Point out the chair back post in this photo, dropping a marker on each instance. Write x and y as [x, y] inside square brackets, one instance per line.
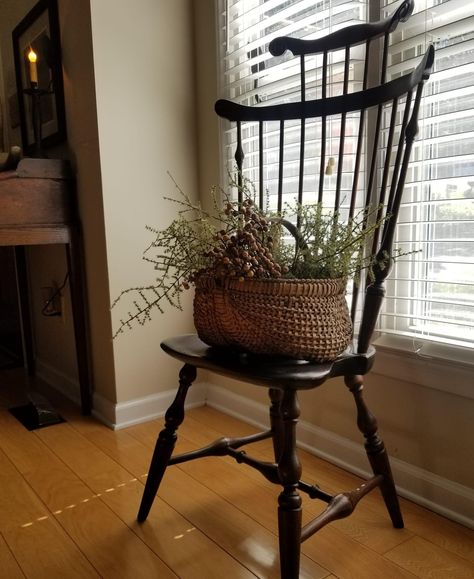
[302, 136]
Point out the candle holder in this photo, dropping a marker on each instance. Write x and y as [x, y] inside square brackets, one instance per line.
[36, 95]
[39, 78]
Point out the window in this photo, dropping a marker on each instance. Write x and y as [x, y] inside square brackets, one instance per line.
[431, 292]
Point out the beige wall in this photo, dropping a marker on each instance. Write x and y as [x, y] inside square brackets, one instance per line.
[206, 94]
[143, 60]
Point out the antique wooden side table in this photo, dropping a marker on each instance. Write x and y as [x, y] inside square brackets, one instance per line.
[38, 207]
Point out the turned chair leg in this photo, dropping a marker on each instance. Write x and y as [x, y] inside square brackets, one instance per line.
[289, 501]
[166, 441]
[276, 396]
[375, 449]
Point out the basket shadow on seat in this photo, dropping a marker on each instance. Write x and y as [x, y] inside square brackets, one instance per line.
[395, 107]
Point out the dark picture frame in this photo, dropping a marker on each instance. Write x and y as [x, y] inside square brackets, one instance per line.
[39, 30]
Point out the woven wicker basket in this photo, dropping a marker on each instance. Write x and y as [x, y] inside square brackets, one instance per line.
[305, 319]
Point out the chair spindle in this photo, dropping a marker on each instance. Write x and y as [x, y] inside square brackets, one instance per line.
[398, 158]
[302, 138]
[322, 165]
[383, 72]
[360, 138]
[280, 166]
[386, 169]
[342, 136]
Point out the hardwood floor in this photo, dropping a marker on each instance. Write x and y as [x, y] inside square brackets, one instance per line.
[69, 495]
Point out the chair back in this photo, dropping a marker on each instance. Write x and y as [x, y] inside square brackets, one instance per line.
[367, 135]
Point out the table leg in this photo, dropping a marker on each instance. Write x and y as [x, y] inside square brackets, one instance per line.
[24, 307]
[79, 312]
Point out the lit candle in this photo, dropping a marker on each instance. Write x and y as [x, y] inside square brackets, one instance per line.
[33, 69]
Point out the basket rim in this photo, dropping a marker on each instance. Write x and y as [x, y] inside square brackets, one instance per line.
[273, 286]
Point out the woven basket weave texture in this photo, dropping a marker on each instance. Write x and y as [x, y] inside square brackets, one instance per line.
[307, 319]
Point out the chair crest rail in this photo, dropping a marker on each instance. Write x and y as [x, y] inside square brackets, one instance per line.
[346, 103]
[353, 35]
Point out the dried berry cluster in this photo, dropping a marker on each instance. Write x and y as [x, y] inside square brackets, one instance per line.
[244, 249]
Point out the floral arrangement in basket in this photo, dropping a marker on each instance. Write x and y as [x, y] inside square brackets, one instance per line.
[262, 284]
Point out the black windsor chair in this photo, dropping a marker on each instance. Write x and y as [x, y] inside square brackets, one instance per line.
[399, 102]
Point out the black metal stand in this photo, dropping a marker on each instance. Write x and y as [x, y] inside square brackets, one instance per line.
[38, 413]
[36, 118]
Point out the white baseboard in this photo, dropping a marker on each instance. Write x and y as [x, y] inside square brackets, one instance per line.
[123, 414]
[436, 493]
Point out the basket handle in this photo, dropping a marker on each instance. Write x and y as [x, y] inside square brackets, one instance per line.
[291, 227]
[295, 232]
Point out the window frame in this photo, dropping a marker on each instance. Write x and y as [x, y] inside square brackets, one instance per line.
[434, 347]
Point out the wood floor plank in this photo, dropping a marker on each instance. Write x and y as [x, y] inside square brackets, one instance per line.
[242, 537]
[184, 547]
[427, 561]
[88, 462]
[51, 479]
[123, 554]
[245, 538]
[8, 564]
[111, 546]
[40, 546]
[438, 530]
[181, 545]
[72, 503]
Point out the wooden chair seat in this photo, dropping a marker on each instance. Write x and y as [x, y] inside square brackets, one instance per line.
[269, 371]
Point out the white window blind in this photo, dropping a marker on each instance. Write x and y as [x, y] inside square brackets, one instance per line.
[250, 75]
[431, 293]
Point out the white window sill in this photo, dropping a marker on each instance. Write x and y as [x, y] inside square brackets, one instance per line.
[449, 369]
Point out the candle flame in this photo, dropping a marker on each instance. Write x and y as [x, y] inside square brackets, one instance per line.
[32, 56]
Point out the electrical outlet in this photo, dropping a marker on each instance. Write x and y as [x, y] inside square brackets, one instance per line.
[51, 300]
